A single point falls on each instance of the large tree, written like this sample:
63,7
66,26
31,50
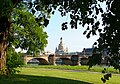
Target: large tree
25,34
21,30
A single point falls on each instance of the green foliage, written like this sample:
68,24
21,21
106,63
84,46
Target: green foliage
2,72
115,62
26,32
13,61
94,59
5,8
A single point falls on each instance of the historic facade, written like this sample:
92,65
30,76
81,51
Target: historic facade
61,49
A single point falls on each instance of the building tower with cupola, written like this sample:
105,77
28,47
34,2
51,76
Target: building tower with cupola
61,48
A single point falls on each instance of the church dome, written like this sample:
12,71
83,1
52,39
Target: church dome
61,47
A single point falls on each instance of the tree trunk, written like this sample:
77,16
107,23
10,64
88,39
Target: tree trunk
3,52
4,26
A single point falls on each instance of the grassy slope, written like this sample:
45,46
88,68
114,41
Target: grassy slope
47,76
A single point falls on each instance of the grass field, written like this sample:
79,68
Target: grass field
84,68
37,75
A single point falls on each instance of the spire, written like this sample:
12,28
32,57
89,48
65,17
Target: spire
56,50
61,38
61,46
61,41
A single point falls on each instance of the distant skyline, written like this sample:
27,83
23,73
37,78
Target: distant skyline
72,38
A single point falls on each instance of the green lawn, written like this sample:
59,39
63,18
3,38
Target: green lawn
34,75
84,68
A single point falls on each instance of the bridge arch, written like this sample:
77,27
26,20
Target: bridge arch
84,60
63,61
75,60
42,61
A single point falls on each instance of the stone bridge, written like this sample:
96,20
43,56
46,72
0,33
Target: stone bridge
56,59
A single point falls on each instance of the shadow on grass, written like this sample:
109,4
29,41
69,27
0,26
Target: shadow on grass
28,79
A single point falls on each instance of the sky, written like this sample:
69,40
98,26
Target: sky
72,38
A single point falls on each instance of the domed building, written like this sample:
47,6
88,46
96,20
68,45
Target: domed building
61,48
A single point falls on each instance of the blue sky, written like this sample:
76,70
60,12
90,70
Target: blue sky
72,38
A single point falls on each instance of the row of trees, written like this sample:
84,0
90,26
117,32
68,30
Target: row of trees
19,16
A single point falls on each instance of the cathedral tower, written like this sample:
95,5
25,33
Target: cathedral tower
61,48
